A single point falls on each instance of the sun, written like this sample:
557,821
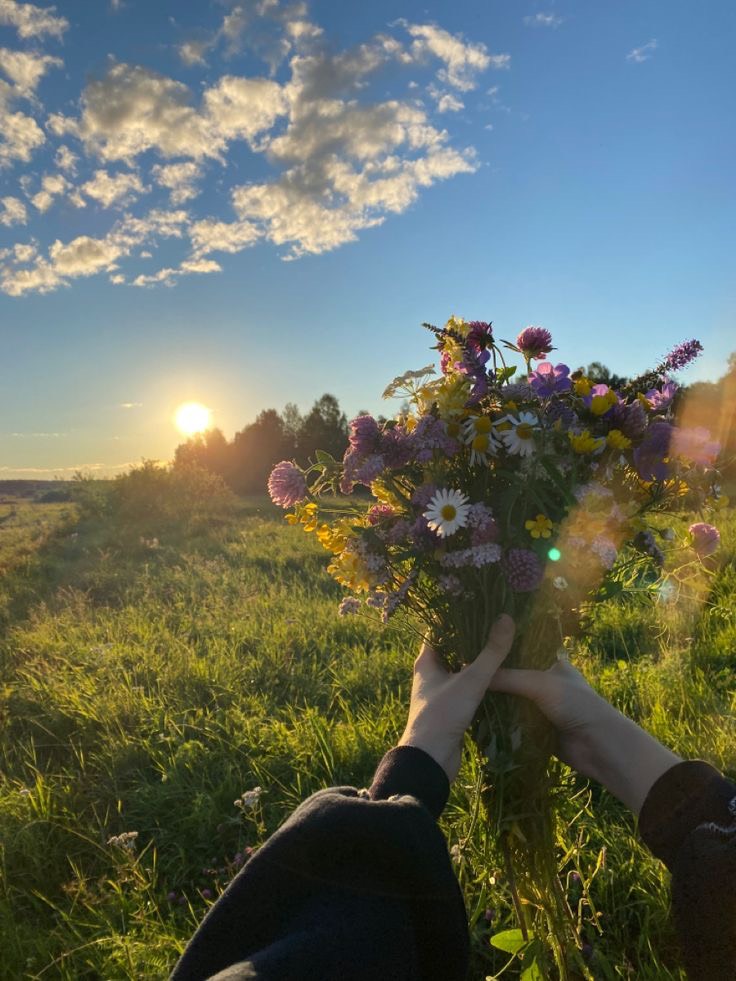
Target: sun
192,417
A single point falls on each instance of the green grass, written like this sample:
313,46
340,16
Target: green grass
145,688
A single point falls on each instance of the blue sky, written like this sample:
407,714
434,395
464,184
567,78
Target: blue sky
250,203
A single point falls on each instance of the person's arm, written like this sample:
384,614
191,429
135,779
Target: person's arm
686,809
359,884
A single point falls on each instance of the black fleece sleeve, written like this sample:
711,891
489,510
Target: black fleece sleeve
689,821
354,885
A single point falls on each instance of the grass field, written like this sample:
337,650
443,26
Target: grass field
154,667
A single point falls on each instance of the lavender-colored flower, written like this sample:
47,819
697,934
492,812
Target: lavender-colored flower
398,532
206,894
535,342
396,447
450,584
547,380
649,457
422,535
430,435
287,485
660,399
705,538
480,335
605,550
631,419
477,557
682,355
558,412
376,600
483,528
348,606
423,495
395,599
364,435
695,445
523,569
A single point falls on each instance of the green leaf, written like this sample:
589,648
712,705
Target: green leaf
503,374
324,457
509,940
532,973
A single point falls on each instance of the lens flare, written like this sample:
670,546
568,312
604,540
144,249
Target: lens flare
191,418
554,555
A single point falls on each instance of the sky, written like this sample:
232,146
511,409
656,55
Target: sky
251,203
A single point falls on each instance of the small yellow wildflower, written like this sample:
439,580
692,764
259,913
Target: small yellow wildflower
540,527
511,406
583,386
585,443
600,404
617,440
350,570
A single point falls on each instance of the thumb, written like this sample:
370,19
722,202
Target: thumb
497,647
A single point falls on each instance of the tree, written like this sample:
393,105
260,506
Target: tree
599,374
256,449
324,428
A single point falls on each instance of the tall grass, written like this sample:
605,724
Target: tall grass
157,661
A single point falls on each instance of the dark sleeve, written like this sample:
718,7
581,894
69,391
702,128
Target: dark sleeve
689,821
354,886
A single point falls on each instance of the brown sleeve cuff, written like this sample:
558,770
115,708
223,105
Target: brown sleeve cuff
684,797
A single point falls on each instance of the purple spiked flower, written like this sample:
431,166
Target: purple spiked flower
364,435
705,538
523,569
682,355
287,485
660,399
534,342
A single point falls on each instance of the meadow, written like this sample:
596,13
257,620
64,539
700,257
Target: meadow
166,647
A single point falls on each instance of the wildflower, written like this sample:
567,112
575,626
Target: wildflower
584,442
601,400
447,511
682,355
659,400
559,582
548,380
617,440
350,604
605,550
248,800
477,556
534,342
364,435
287,485
396,598
450,584
523,569
645,542
483,529
631,419
519,437
705,538
539,527
206,894
650,457
489,915
126,841
423,495
583,386
172,897
376,600
379,512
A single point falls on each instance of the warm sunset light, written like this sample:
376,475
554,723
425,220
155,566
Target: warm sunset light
192,417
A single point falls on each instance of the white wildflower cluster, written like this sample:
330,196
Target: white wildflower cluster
126,841
605,550
248,800
477,556
347,607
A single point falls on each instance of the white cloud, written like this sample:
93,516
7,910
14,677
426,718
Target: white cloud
168,276
500,62
543,20
201,266
25,69
131,405
222,236
117,279
462,60
66,160
20,135
14,211
179,179
244,107
31,21
193,52
24,252
111,189
644,53
52,185
446,101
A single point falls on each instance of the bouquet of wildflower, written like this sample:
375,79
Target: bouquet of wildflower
504,490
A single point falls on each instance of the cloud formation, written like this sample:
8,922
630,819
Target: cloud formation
31,21
644,53
543,20
321,156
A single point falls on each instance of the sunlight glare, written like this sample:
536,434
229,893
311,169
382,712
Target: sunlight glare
192,418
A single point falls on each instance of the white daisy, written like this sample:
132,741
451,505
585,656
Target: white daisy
447,511
478,434
519,436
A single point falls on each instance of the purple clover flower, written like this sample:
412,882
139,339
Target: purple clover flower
429,435
378,513
548,380
364,435
534,342
682,355
480,335
287,485
705,538
523,569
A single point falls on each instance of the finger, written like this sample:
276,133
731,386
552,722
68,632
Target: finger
428,663
518,681
497,647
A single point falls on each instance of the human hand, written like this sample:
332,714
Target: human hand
443,703
593,737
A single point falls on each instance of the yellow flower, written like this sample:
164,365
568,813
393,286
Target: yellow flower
350,570
309,517
600,404
617,440
450,395
334,538
458,325
540,527
585,443
511,406
583,386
